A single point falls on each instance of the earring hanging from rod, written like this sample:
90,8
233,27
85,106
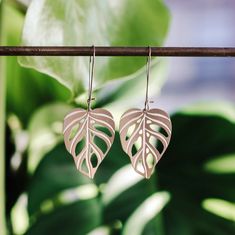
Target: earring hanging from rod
145,134
89,134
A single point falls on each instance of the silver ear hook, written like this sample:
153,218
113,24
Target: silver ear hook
91,78
146,106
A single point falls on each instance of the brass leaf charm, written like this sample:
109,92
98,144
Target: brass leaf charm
139,134
96,130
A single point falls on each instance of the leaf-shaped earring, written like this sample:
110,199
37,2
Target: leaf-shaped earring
89,134
145,134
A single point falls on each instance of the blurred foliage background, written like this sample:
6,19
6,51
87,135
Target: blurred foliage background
192,191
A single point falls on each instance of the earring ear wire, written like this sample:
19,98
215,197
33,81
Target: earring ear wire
148,66
91,78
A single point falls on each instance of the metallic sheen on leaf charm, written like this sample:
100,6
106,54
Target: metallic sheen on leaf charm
141,139
89,134
96,130
145,134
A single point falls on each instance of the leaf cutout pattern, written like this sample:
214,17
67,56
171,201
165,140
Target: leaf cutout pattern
89,125
146,154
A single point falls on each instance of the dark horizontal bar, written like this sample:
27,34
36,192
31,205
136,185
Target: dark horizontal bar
119,51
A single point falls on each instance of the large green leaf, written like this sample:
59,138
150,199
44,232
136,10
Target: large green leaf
202,137
58,195
88,22
26,89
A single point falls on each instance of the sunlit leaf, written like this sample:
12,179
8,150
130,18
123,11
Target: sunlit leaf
220,207
145,213
19,215
87,22
26,89
100,231
221,165
118,183
45,131
222,109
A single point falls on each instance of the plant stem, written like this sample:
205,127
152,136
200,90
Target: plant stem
2,128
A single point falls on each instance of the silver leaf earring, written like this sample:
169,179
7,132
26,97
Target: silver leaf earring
145,134
89,134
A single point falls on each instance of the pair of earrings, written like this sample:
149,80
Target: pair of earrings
89,134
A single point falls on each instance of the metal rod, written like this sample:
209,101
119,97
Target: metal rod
119,51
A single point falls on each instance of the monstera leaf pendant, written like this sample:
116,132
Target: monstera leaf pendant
88,136
145,135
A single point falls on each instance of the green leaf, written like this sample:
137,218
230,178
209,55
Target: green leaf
57,160
59,195
104,230
145,213
221,165
87,22
45,131
19,215
76,219
198,138
222,109
220,207
118,184
26,89
125,185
